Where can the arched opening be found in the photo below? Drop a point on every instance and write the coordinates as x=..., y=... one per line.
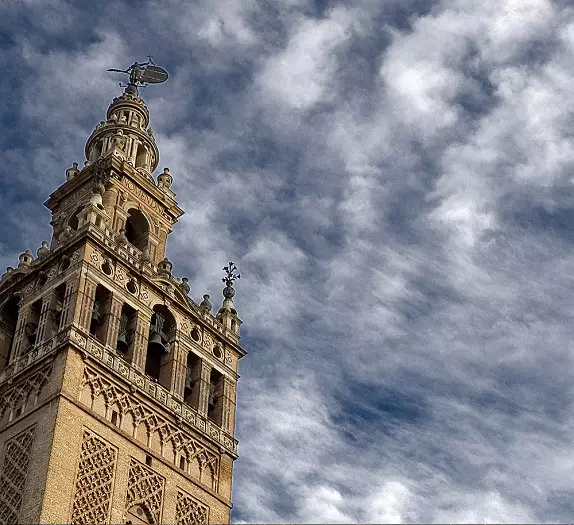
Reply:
x=192, y=376
x=141, y=156
x=31, y=326
x=162, y=332
x=214, y=404
x=137, y=229
x=56, y=308
x=138, y=515
x=96, y=151
x=73, y=221
x=8, y=319
x=100, y=312
x=128, y=320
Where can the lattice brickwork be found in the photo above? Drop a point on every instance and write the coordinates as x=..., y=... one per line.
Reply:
x=189, y=511
x=93, y=495
x=145, y=488
x=13, y=475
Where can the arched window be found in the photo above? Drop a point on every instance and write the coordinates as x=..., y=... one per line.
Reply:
x=56, y=308
x=100, y=312
x=192, y=376
x=31, y=327
x=96, y=152
x=138, y=515
x=137, y=229
x=162, y=332
x=8, y=319
x=214, y=405
x=73, y=221
x=128, y=320
x=141, y=156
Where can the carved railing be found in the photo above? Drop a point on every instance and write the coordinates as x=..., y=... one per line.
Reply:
x=32, y=356
x=135, y=377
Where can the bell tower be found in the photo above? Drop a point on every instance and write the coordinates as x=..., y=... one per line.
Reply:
x=117, y=390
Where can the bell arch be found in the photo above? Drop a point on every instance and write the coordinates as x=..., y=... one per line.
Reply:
x=137, y=229
x=162, y=333
x=8, y=318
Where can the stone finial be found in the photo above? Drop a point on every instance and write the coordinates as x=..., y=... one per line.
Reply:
x=165, y=267
x=98, y=189
x=121, y=237
x=164, y=180
x=205, y=305
x=229, y=291
x=43, y=250
x=72, y=172
x=184, y=285
x=25, y=259
x=65, y=235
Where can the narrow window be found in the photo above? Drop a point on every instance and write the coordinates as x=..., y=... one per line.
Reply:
x=141, y=156
x=8, y=319
x=191, y=390
x=214, y=406
x=100, y=312
x=128, y=320
x=31, y=327
x=56, y=308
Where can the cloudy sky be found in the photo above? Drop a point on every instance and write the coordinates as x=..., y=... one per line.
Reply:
x=393, y=179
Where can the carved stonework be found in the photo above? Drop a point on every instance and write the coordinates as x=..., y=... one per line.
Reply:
x=145, y=489
x=189, y=511
x=18, y=397
x=140, y=421
x=14, y=474
x=93, y=494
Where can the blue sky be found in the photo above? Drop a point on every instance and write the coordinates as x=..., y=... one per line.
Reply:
x=394, y=181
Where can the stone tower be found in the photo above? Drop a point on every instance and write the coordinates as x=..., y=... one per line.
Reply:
x=117, y=391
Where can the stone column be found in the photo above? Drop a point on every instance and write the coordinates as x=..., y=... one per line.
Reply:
x=42, y=322
x=113, y=322
x=204, y=376
x=110, y=198
x=176, y=367
x=193, y=397
x=228, y=401
x=86, y=298
x=19, y=332
x=68, y=305
x=141, y=339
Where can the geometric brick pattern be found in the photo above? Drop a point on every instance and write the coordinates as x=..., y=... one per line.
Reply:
x=92, y=499
x=145, y=488
x=189, y=511
x=13, y=475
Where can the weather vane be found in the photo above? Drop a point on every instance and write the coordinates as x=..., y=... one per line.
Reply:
x=231, y=276
x=142, y=74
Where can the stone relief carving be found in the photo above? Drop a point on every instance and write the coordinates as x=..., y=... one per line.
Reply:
x=14, y=474
x=17, y=398
x=145, y=489
x=93, y=494
x=101, y=395
x=189, y=511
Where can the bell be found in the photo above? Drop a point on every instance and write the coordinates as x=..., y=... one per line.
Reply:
x=123, y=341
x=155, y=340
x=96, y=314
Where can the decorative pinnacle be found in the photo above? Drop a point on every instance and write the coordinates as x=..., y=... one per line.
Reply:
x=231, y=275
